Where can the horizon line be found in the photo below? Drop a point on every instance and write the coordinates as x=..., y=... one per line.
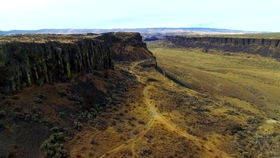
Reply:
x=132, y=28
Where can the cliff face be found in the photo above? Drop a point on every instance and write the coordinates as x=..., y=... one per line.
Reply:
x=25, y=63
x=264, y=47
x=127, y=46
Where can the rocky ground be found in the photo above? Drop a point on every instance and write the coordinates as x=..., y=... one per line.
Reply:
x=41, y=117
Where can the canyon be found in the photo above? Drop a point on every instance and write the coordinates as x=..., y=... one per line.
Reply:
x=112, y=95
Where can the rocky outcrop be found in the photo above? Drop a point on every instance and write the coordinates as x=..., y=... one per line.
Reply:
x=127, y=46
x=25, y=63
x=264, y=47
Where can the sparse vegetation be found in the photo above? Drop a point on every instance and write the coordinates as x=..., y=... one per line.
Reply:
x=145, y=152
x=53, y=146
x=77, y=125
x=242, y=91
x=255, y=80
x=7, y=102
x=255, y=120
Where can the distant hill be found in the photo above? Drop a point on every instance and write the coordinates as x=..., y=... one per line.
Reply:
x=141, y=30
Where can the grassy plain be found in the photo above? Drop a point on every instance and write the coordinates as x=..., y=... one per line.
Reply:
x=246, y=88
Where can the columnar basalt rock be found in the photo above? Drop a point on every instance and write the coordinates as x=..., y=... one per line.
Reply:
x=25, y=63
x=264, y=47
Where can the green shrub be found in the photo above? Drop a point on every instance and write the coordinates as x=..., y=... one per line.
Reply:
x=53, y=146
x=7, y=102
x=77, y=125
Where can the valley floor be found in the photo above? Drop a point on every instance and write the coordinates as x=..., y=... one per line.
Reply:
x=147, y=127
x=245, y=89
x=160, y=118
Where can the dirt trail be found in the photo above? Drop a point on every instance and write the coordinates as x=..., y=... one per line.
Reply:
x=160, y=118
x=156, y=117
x=131, y=142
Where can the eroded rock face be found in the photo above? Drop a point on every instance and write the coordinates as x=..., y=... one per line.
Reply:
x=264, y=47
x=127, y=46
x=28, y=63
x=25, y=63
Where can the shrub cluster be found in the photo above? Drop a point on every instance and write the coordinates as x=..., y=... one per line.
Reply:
x=53, y=146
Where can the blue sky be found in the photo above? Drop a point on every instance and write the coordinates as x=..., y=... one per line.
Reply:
x=251, y=15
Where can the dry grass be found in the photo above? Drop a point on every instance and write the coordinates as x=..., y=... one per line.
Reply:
x=245, y=91
x=246, y=77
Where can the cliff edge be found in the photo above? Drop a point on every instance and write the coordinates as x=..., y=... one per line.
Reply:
x=264, y=47
x=39, y=59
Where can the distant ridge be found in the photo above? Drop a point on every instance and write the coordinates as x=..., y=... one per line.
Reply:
x=141, y=30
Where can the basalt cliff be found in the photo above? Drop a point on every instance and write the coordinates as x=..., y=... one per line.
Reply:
x=39, y=59
x=53, y=87
x=264, y=47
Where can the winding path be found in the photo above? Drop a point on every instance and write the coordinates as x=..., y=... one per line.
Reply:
x=155, y=115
